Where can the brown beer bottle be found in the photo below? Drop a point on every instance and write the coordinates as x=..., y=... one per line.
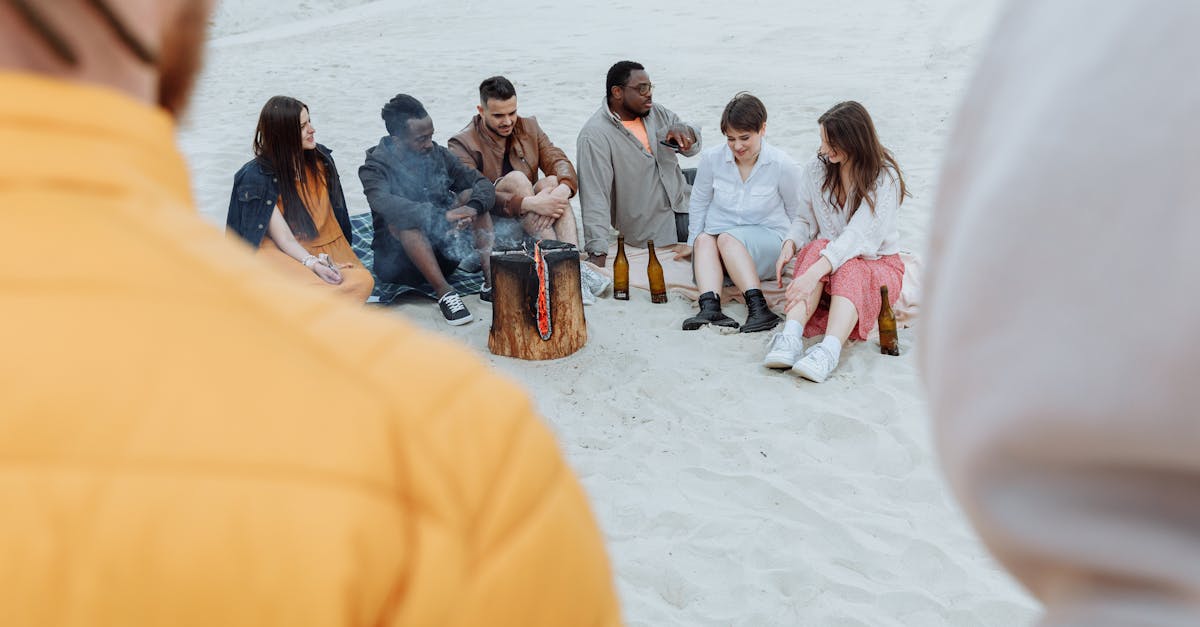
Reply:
x=889, y=344
x=621, y=271
x=654, y=272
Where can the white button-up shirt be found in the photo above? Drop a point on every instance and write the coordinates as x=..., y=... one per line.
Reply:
x=721, y=200
x=867, y=234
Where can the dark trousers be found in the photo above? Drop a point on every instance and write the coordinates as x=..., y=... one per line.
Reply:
x=681, y=219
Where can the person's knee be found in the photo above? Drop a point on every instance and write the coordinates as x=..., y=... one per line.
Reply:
x=705, y=242
x=546, y=184
x=515, y=183
x=816, y=292
x=842, y=305
x=732, y=248
x=727, y=242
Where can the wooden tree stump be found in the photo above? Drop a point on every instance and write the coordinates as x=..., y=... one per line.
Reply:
x=516, y=310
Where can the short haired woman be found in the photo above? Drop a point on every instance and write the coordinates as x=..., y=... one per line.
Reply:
x=744, y=197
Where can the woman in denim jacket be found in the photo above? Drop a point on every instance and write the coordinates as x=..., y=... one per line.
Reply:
x=303, y=229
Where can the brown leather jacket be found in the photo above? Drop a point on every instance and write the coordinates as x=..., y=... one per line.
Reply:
x=529, y=150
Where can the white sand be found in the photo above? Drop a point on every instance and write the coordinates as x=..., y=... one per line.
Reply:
x=729, y=495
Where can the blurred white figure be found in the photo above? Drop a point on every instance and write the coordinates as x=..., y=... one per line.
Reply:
x=1062, y=332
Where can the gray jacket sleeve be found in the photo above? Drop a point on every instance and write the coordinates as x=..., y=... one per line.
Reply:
x=673, y=120
x=594, y=159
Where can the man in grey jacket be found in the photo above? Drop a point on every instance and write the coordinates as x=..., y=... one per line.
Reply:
x=627, y=179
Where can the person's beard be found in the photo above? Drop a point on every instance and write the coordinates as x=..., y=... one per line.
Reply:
x=636, y=114
x=181, y=56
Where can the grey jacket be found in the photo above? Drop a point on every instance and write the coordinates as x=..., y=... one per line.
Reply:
x=622, y=186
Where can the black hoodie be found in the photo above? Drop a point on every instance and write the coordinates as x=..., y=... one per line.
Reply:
x=408, y=190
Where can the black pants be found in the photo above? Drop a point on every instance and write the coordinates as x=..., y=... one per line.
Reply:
x=681, y=219
x=392, y=264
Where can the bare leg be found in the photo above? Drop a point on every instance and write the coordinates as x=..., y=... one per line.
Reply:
x=565, y=228
x=842, y=318
x=420, y=251
x=546, y=184
x=518, y=184
x=528, y=223
x=706, y=262
x=738, y=262
x=805, y=308
x=515, y=183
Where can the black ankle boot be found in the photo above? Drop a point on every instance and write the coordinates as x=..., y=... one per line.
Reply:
x=710, y=313
x=760, y=317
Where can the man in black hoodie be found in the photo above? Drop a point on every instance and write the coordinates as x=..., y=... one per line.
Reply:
x=425, y=206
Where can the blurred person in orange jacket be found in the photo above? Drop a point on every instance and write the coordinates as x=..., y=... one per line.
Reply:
x=185, y=440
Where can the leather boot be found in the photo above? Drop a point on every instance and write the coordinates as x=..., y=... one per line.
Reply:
x=710, y=313
x=760, y=317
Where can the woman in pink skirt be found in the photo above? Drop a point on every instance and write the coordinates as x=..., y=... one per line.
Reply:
x=844, y=242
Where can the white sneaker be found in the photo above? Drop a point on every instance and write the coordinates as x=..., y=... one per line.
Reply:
x=816, y=364
x=785, y=349
x=594, y=282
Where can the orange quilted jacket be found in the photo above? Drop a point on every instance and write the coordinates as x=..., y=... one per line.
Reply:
x=186, y=440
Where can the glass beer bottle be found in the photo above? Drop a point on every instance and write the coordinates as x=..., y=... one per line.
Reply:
x=654, y=272
x=621, y=271
x=889, y=343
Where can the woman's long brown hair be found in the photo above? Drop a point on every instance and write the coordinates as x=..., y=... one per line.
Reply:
x=849, y=130
x=278, y=147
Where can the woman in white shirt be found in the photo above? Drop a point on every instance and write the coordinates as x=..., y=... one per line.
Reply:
x=744, y=197
x=844, y=241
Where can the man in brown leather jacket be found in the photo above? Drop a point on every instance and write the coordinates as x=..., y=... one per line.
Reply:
x=509, y=150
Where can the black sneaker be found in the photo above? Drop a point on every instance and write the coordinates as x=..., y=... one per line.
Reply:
x=485, y=294
x=454, y=310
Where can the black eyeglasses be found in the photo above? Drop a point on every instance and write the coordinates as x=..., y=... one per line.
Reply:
x=643, y=89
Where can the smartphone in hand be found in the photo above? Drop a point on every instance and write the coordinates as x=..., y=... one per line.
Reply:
x=670, y=144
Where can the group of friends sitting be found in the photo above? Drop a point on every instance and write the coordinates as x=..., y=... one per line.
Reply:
x=751, y=213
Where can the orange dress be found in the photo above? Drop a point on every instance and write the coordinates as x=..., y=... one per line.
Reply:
x=358, y=282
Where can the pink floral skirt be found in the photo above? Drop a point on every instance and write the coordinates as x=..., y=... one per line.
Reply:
x=857, y=280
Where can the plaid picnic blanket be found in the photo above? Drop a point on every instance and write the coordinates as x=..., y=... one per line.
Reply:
x=364, y=233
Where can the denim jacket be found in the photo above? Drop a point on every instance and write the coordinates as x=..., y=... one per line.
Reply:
x=256, y=189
